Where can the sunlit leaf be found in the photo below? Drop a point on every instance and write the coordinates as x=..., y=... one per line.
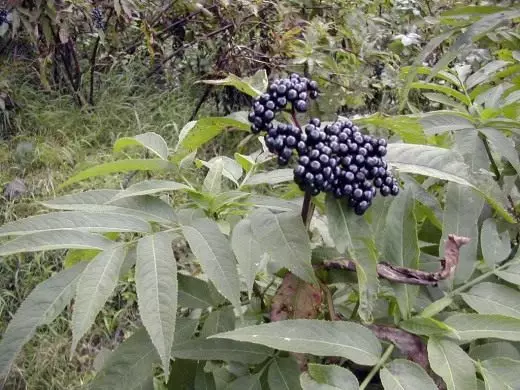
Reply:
x=151, y=141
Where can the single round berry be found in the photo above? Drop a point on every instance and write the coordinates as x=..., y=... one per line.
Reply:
x=301, y=106
x=304, y=160
x=268, y=115
x=361, y=207
x=315, y=166
x=385, y=190
x=270, y=105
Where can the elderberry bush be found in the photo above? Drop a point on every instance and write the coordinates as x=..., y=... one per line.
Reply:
x=336, y=158
x=295, y=91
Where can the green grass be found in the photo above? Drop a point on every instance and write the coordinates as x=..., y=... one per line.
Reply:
x=66, y=139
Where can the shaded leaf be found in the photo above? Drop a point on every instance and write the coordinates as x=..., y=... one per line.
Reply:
x=151, y=141
x=500, y=373
x=42, y=306
x=510, y=274
x=425, y=326
x=492, y=298
x=247, y=382
x=503, y=146
x=328, y=338
x=284, y=374
x=479, y=326
x=194, y=293
x=213, y=251
x=494, y=350
x=95, y=286
x=483, y=74
x=334, y=376
x=405, y=375
x=441, y=122
x=204, y=380
x=182, y=374
x=276, y=176
x=218, y=321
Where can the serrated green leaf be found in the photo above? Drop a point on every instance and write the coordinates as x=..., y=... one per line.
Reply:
x=492, y=298
x=248, y=252
x=284, y=238
x=75, y=220
x=452, y=364
x=149, y=187
x=151, y=141
x=334, y=376
x=194, y=293
x=130, y=366
x=500, y=373
x=221, y=349
x=402, y=246
x=510, y=274
x=41, y=307
x=462, y=208
x=478, y=326
x=218, y=321
x=213, y=251
x=272, y=177
x=445, y=121
x=95, y=286
x=284, y=374
x=494, y=350
x=156, y=285
x=118, y=167
x=247, y=382
x=425, y=327
x=405, y=375
x=329, y=338
x=52, y=240
x=503, y=146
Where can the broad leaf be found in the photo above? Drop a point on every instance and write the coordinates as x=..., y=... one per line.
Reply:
x=79, y=200
x=243, y=85
x=510, y=274
x=425, y=327
x=130, y=366
x=230, y=168
x=447, y=90
x=151, y=141
x=334, y=376
x=284, y=238
x=470, y=145
x=326, y=338
x=149, y=187
x=461, y=211
x=182, y=374
x=204, y=380
x=41, y=307
x=213, y=180
x=248, y=251
x=213, y=251
x=452, y=364
x=495, y=248
x=405, y=375
x=94, y=288
x=247, y=382
x=119, y=166
x=52, y=240
x=307, y=383
x=194, y=293
x=218, y=321
x=492, y=298
x=402, y=246
x=75, y=220
x=272, y=177
x=406, y=126
x=480, y=326
x=441, y=122
x=156, y=284
x=500, y=373
x=284, y=374
x=483, y=74
x=494, y=350
x=220, y=349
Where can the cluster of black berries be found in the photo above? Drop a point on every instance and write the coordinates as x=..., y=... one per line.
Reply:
x=296, y=90
x=97, y=18
x=340, y=160
x=336, y=158
x=3, y=16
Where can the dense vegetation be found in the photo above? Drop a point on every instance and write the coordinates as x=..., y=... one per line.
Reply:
x=196, y=194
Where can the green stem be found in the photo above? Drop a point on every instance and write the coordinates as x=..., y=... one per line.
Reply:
x=377, y=367
x=494, y=165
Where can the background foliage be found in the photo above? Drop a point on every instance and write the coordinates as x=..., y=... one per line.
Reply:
x=165, y=253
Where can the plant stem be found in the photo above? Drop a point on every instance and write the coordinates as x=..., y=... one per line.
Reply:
x=377, y=367
x=494, y=165
x=307, y=208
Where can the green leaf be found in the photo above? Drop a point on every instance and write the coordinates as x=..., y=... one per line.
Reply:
x=425, y=326
x=248, y=251
x=246, y=162
x=41, y=307
x=402, y=246
x=407, y=127
x=204, y=380
x=197, y=133
x=328, y=338
x=478, y=326
x=274, y=204
x=130, y=366
x=213, y=251
x=405, y=375
x=443, y=89
x=461, y=211
x=284, y=374
x=75, y=220
x=500, y=373
x=493, y=350
x=442, y=122
x=221, y=349
x=470, y=145
x=247, y=382
x=218, y=321
x=307, y=383
x=193, y=293
x=156, y=285
x=334, y=376
x=472, y=10
x=351, y=233
x=149, y=187
x=52, y=240
x=182, y=374
x=272, y=177
x=243, y=85
x=151, y=141
x=94, y=287
x=452, y=364
x=213, y=180
x=284, y=238
x=484, y=74
x=492, y=298
x=119, y=166
x=445, y=100
x=510, y=274
x=230, y=168
x=503, y=146
x=79, y=200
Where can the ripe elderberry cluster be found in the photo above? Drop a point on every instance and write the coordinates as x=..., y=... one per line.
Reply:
x=296, y=90
x=335, y=158
x=97, y=18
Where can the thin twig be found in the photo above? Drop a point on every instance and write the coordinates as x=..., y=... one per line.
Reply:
x=377, y=367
